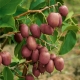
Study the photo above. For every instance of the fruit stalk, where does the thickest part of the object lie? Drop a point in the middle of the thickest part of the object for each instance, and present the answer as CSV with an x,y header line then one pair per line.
x,y
5,41
24,70
35,11
48,43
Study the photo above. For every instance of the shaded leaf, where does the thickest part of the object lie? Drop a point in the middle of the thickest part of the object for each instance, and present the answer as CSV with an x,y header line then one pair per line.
x,y
53,37
17,50
19,10
9,7
7,21
68,43
26,4
70,14
21,79
13,64
7,73
3,2
66,27
36,4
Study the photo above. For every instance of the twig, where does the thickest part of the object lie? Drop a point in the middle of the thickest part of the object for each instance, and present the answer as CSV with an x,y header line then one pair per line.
x,y
24,70
5,41
48,43
8,34
23,63
35,11
16,73
77,15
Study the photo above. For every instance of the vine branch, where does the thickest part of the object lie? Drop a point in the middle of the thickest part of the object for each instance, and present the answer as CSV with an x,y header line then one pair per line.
x,y
48,43
8,34
16,73
35,11
5,41
24,70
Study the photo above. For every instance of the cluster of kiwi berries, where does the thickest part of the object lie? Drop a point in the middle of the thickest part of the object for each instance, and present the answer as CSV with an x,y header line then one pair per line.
x,y
40,56
5,58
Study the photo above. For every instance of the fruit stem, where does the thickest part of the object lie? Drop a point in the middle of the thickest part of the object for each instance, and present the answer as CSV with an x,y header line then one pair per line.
x,y
16,73
4,43
59,3
29,19
8,34
54,8
44,16
35,11
73,22
24,70
48,43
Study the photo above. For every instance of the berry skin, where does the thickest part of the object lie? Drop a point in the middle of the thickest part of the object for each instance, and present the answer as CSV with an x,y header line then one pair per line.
x,y
18,37
63,10
53,19
6,58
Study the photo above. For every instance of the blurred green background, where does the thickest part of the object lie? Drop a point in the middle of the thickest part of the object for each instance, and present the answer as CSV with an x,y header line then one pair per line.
x,y
73,5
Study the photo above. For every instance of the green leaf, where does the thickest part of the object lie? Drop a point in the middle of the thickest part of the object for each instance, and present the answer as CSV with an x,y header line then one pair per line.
x,y
1,78
66,27
68,43
61,1
36,4
8,75
21,79
7,21
48,40
39,19
70,14
13,64
50,2
54,37
72,27
17,50
9,7
19,10
18,71
3,2
43,37
26,4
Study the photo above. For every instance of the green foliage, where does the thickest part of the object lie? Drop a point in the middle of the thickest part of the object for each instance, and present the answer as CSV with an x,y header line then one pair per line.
x,y
7,73
19,10
37,4
50,40
9,7
17,50
7,21
26,4
14,12
70,14
67,27
68,43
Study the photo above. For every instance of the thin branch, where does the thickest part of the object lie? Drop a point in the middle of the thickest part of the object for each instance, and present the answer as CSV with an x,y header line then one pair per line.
x,y
76,15
23,63
16,73
5,41
48,43
35,11
8,34
24,70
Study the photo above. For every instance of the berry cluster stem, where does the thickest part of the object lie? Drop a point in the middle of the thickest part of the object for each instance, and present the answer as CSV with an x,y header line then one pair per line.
x,y
3,44
35,11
